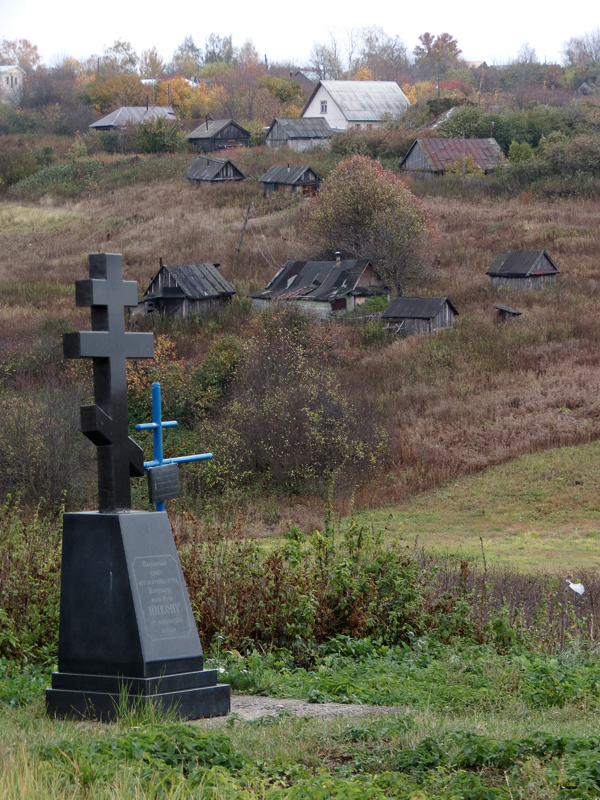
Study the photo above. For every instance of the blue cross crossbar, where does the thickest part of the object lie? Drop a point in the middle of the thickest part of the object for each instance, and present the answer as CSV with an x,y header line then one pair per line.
x,y
156,427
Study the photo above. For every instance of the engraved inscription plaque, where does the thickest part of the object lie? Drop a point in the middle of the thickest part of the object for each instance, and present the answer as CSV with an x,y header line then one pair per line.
x,y
162,597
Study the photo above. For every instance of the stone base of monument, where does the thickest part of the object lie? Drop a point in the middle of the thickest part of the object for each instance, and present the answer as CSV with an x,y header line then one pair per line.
x,y
127,635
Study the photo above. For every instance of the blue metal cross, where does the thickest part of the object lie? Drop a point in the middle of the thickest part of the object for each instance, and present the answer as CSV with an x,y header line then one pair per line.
x,y
156,427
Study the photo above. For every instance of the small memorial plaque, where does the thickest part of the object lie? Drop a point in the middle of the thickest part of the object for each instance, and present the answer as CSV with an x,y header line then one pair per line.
x,y
163,483
162,597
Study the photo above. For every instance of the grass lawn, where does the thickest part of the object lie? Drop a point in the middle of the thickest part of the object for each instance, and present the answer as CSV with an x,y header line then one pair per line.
x,y
540,511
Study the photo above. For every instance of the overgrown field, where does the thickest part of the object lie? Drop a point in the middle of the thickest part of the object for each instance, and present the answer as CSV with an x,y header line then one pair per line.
x,y
408,415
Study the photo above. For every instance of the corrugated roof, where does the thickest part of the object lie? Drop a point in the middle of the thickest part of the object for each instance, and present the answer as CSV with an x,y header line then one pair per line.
x,y
440,153
303,127
416,307
10,67
134,115
365,101
316,280
214,128
196,281
208,169
522,264
280,174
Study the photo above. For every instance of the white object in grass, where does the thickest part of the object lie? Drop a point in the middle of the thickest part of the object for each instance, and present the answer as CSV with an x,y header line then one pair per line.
x,y
577,587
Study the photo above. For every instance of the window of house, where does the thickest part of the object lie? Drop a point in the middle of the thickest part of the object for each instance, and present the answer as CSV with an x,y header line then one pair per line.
x,y
357,126
323,106
16,81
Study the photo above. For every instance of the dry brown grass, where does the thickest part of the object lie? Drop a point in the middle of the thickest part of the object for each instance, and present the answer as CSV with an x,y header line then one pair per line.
x,y
455,402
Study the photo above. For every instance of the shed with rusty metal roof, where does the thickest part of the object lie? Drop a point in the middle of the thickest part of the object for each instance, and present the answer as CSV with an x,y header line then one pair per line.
x,y
206,169
219,134
299,133
410,315
523,269
133,115
184,289
323,288
428,157
296,177
356,104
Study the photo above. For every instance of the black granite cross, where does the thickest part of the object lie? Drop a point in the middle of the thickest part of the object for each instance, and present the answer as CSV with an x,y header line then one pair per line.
x,y
105,423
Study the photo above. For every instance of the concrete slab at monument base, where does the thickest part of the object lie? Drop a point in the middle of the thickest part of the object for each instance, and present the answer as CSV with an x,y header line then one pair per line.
x,y
127,634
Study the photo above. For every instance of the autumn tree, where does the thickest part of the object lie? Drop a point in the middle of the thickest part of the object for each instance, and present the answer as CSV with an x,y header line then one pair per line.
x,y
436,54
21,52
366,211
151,64
120,58
106,93
187,59
384,56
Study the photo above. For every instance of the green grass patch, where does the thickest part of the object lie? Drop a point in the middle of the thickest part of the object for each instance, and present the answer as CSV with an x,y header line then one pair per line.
x,y
21,219
540,511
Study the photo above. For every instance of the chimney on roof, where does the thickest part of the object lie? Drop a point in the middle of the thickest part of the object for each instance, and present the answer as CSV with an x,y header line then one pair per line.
x,y
288,169
160,262
206,123
147,101
338,259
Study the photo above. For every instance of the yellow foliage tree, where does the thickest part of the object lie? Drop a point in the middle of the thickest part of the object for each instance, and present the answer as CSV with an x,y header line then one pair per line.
x,y
411,93
471,168
363,74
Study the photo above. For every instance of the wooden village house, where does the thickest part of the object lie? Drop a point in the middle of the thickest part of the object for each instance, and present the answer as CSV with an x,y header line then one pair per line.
x,y
523,269
292,177
410,315
132,115
322,288
182,290
429,157
299,133
218,134
356,104
206,169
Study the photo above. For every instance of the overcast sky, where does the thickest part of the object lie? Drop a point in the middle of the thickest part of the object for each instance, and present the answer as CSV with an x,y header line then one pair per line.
x,y
286,31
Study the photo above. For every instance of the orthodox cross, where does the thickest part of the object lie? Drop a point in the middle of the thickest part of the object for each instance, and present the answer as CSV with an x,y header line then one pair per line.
x,y
105,422
156,427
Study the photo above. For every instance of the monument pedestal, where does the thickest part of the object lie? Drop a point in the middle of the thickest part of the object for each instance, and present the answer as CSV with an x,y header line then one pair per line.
x,y
127,633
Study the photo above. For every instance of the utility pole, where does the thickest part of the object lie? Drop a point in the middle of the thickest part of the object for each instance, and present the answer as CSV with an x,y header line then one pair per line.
x,y
239,245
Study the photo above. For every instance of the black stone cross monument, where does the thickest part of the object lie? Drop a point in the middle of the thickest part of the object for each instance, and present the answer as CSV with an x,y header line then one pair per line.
x,y
127,634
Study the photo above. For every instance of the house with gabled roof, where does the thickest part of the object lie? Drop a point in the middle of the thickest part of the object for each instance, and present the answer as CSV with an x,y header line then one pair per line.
x,y
428,157
184,289
218,134
322,288
11,83
410,315
299,133
132,115
523,269
292,176
356,104
207,169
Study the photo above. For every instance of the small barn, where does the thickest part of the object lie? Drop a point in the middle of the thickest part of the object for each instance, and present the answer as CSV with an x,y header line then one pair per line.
x,y
282,177
299,134
428,157
523,269
218,134
212,170
181,290
410,315
133,115
322,288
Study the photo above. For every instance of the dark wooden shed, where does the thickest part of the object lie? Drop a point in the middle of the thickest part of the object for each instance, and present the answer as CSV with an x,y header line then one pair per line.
x,y
410,315
523,269
506,313
428,157
212,170
182,290
219,134
281,177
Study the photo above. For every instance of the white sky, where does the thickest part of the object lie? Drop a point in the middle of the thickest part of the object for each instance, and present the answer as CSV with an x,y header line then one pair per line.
x,y
286,31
